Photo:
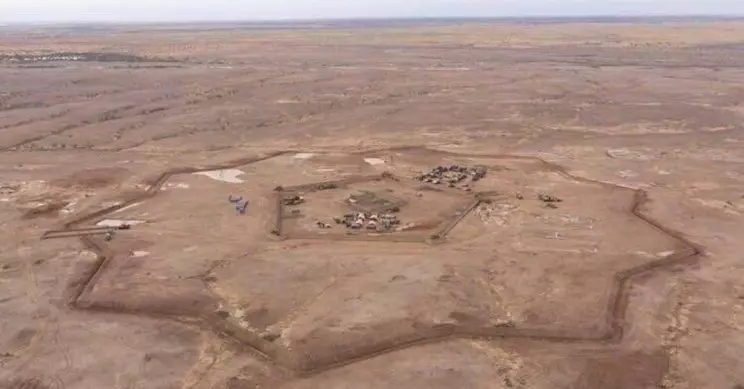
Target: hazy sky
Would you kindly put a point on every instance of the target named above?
(192, 10)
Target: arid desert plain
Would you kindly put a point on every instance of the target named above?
(433, 204)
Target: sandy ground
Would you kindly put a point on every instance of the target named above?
(633, 280)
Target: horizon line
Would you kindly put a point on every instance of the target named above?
(625, 17)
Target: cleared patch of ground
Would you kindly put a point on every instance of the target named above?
(357, 298)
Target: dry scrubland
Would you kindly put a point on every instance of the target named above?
(633, 280)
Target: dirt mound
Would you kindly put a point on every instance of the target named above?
(50, 209)
(92, 178)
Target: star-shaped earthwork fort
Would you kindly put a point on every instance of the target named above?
(317, 260)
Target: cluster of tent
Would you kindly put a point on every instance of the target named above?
(452, 175)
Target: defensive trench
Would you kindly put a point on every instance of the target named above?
(614, 321)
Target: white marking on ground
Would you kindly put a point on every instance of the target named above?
(303, 155)
(4, 200)
(226, 175)
(641, 104)
(661, 171)
(447, 69)
(726, 207)
(88, 255)
(180, 185)
(118, 223)
(326, 170)
(627, 174)
(287, 102)
(140, 254)
(717, 129)
(374, 161)
(69, 208)
(620, 184)
(664, 253)
(130, 206)
(627, 154)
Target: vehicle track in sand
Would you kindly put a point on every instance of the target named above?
(281, 357)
